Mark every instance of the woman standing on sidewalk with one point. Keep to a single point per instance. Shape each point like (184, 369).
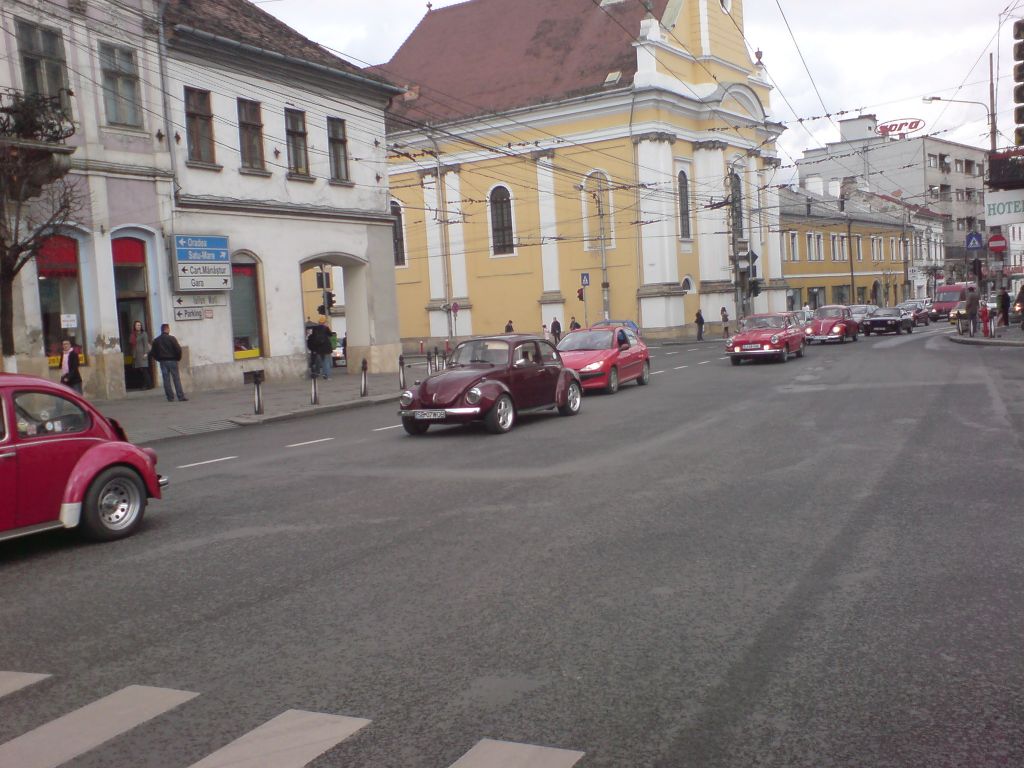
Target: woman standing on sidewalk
(700, 325)
(139, 344)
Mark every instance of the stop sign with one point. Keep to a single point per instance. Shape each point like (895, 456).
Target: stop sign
(997, 244)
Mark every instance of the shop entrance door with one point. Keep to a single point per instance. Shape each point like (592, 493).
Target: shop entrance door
(128, 311)
(131, 286)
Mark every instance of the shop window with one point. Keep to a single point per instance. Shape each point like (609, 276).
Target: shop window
(60, 297)
(245, 312)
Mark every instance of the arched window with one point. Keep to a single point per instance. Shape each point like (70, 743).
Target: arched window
(501, 222)
(684, 205)
(397, 234)
(736, 201)
(246, 316)
(60, 296)
(687, 284)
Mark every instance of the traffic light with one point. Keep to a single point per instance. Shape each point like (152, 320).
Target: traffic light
(755, 287)
(1018, 81)
(320, 310)
(330, 300)
(579, 294)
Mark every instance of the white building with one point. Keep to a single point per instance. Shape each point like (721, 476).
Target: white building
(231, 142)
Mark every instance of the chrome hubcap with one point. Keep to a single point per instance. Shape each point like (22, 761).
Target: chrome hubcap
(574, 398)
(504, 413)
(119, 503)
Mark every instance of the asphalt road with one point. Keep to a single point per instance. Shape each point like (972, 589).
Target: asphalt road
(819, 563)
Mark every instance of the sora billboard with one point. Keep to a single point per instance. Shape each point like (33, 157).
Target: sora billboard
(903, 125)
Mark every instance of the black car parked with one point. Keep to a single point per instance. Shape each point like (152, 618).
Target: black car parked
(887, 320)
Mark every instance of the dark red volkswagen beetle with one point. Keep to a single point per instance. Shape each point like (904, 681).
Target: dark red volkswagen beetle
(494, 380)
(64, 465)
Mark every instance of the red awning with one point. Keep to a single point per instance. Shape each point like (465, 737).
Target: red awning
(129, 251)
(57, 257)
(249, 270)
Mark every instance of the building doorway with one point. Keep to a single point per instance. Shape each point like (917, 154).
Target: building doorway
(131, 289)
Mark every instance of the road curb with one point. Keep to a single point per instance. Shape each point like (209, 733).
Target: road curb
(312, 410)
(983, 342)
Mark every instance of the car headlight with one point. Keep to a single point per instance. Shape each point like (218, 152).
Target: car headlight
(836, 329)
(473, 395)
(736, 348)
(774, 339)
(808, 331)
(591, 367)
(405, 399)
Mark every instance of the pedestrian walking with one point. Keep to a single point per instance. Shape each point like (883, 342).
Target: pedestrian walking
(575, 326)
(1004, 308)
(319, 345)
(973, 302)
(139, 343)
(167, 352)
(69, 375)
(556, 330)
(700, 325)
(509, 328)
(725, 323)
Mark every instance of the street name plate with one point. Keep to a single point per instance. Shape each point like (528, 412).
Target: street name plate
(201, 300)
(187, 313)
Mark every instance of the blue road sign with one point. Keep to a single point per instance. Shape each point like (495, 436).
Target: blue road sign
(584, 279)
(201, 248)
(975, 242)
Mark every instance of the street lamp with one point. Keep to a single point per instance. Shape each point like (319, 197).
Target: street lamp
(988, 113)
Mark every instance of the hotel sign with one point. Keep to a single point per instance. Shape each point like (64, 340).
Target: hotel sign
(1004, 207)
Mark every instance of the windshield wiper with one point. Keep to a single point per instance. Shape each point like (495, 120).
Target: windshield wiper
(478, 360)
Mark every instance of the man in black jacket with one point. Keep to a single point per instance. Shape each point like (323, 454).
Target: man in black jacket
(167, 352)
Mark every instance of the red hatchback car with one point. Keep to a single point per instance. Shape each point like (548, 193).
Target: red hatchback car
(65, 465)
(776, 335)
(494, 380)
(606, 357)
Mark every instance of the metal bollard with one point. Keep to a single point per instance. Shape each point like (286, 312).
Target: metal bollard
(430, 368)
(401, 371)
(257, 399)
(362, 381)
(314, 392)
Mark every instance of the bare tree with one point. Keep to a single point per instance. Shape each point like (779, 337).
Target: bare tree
(36, 197)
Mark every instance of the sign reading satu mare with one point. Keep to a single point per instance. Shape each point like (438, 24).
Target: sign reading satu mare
(1004, 207)
(202, 263)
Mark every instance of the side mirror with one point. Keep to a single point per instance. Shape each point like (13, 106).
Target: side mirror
(623, 347)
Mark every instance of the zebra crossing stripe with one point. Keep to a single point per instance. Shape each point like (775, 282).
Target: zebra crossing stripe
(15, 681)
(291, 740)
(489, 753)
(77, 732)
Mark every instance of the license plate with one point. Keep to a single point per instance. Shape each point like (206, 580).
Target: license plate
(429, 415)
(751, 346)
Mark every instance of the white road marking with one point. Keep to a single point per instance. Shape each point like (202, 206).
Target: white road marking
(695, 349)
(489, 753)
(393, 426)
(703, 362)
(654, 372)
(211, 461)
(310, 442)
(15, 681)
(671, 353)
(74, 734)
(680, 367)
(290, 740)
(724, 358)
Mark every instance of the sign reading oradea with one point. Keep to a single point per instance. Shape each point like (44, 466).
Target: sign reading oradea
(202, 263)
(1004, 206)
(901, 126)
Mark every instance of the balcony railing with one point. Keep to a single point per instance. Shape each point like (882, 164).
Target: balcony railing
(34, 117)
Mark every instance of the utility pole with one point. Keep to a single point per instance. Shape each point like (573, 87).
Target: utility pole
(442, 200)
(849, 255)
(604, 252)
(906, 254)
(991, 105)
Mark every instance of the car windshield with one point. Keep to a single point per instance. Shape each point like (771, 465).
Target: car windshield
(493, 351)
(859, 309)
(764, 321)
(826, 312)
(949, 294)
(585, 340)
(887, 312)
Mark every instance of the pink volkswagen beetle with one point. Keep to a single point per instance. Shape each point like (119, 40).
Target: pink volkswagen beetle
(63, 464)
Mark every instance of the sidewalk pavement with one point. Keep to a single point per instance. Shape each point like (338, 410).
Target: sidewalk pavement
(148, 416)
(1006, 336)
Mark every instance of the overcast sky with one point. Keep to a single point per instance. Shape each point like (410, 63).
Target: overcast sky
(871, 56)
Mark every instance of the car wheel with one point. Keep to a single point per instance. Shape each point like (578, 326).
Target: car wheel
(501, 417)
(855, 335)
(842, 339)
(645, 374)
(414, 427)
(613, 381)
(899, 329)
(800, 350)
(113, 505)
(573, 399)
(734, 360)
(784, 355)
(910, 329)
(867, 331)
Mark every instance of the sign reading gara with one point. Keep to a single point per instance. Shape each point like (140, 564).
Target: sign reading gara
(901, 126)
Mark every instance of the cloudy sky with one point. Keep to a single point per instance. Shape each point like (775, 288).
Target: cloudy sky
(871, 56)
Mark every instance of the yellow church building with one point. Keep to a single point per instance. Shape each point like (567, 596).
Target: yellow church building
(546, 146)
